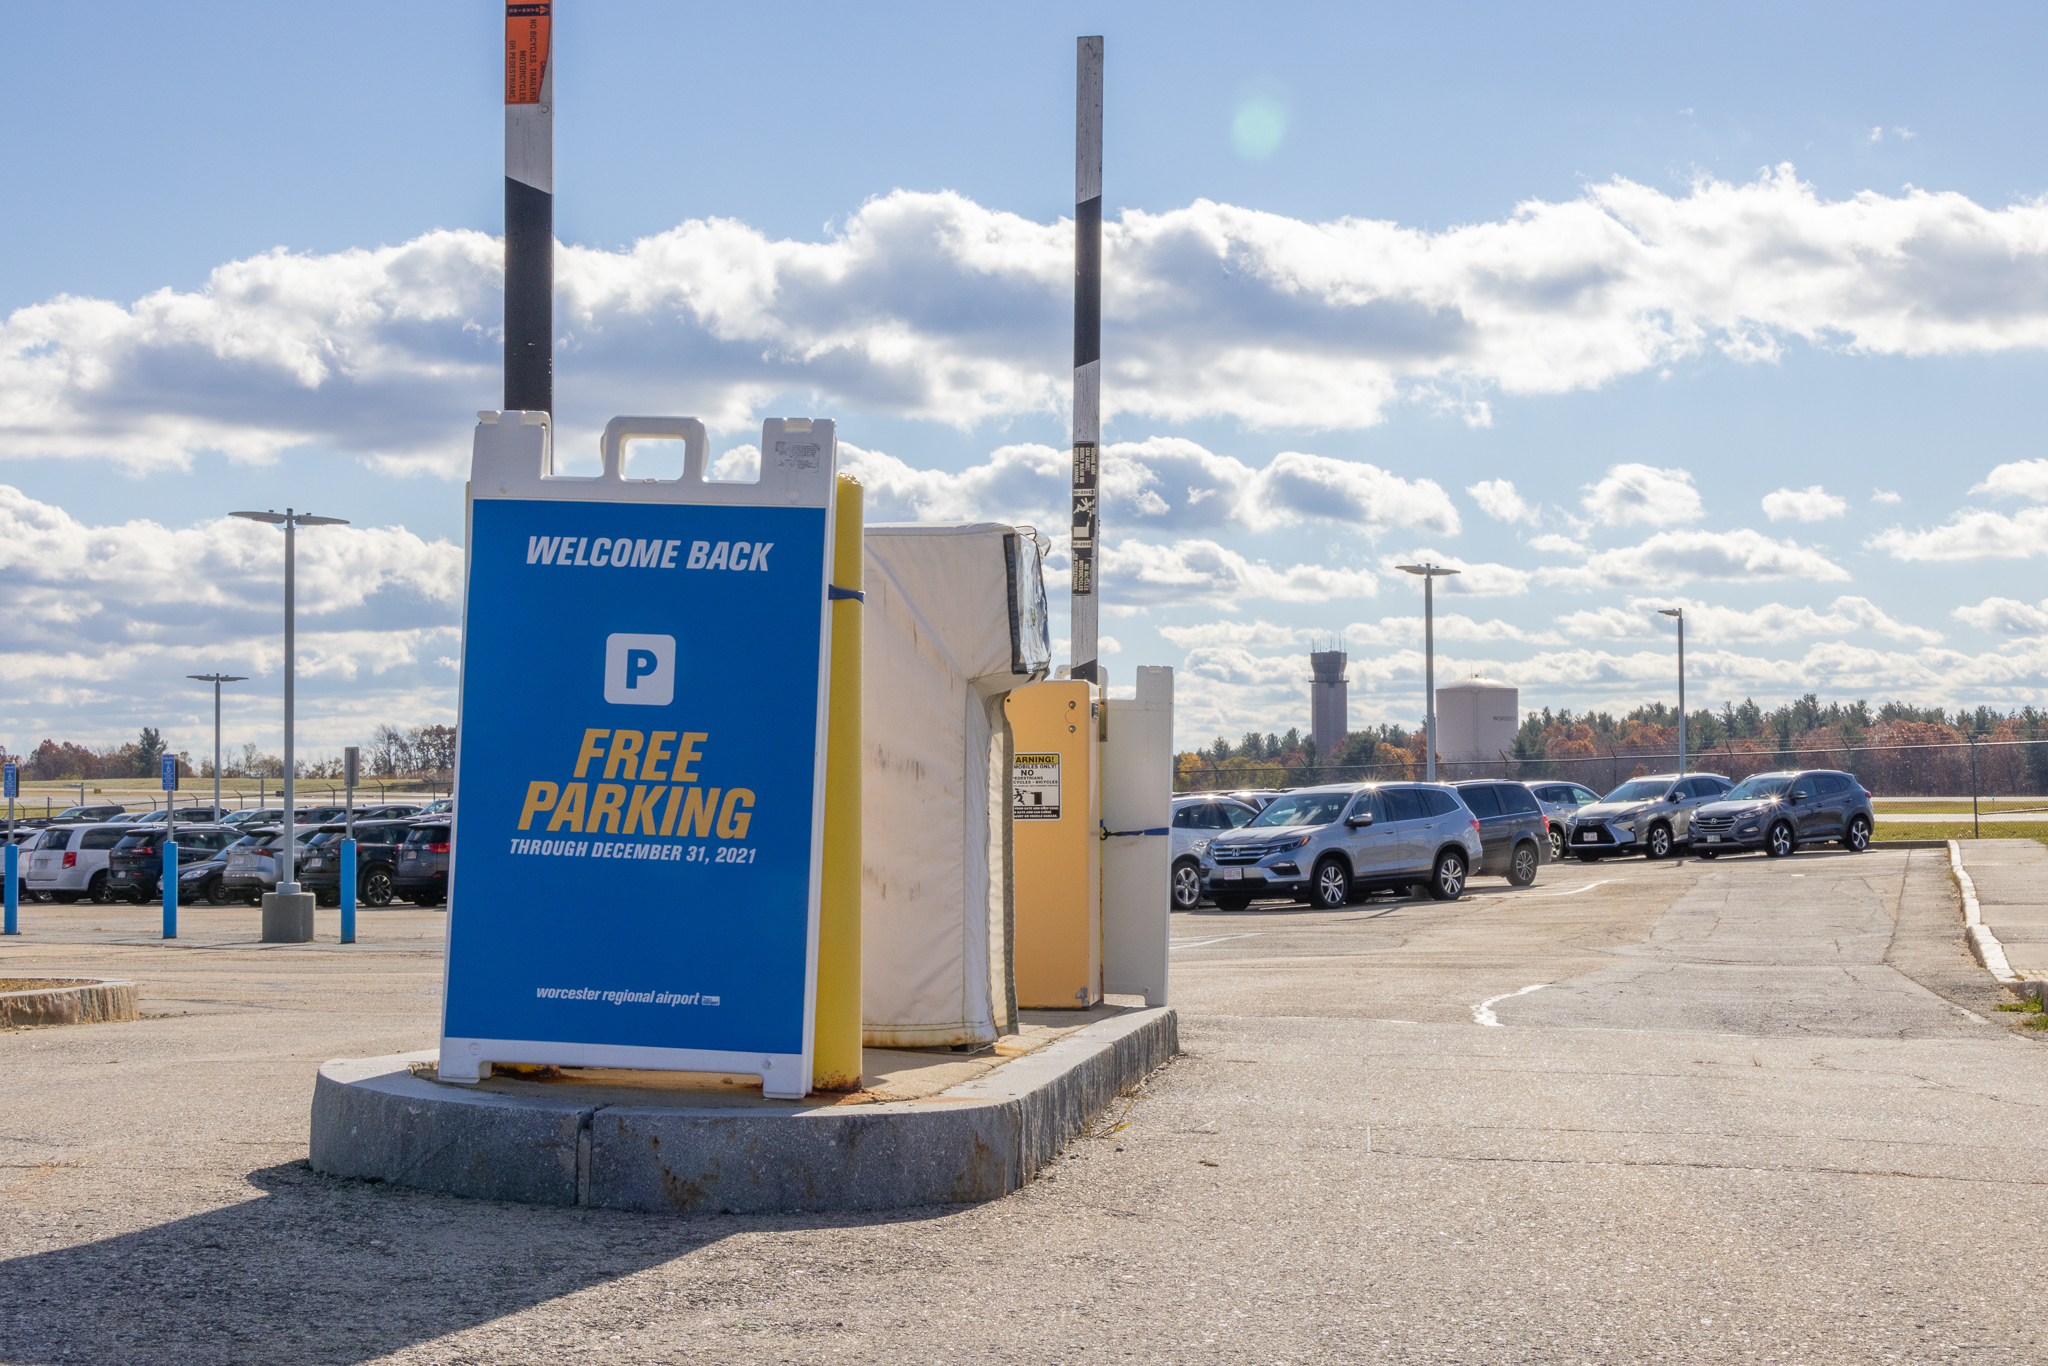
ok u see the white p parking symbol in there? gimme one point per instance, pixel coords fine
(640, 671)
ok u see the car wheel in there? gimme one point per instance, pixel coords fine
(377, 889)
(1447, 882)
(1858, 838)
(1231, 903)
(1589, 857)
(216, 894)
(1659, 844)
(1522, 867)
(96, 891)
(1330, 888)
(1780, 841)
(1186, 893)
(1556, 843)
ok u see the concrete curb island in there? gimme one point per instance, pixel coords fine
(374, 1119)
(1984, 945)
(70, 1000)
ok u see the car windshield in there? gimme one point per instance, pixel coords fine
(428, 834)
(1302, 808)
(132, 841)
(1641, 790)
(1763, 785)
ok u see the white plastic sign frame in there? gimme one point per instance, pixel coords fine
(639, 787)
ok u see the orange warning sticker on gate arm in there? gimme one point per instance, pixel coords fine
(526, 50)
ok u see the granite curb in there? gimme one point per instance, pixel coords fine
(83, 1000)
(374, 1119)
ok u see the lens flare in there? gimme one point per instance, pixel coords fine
(1258, 126)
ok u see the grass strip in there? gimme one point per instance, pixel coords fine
(1945, 830)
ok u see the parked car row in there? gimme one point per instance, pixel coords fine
(114, 814)
(1336, 843)
(399, 856)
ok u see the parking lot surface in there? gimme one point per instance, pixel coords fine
(1749, 1110)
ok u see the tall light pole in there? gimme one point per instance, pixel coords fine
(1087, 526)
(1430, 574)
(217, 680)
(290, 520)
(1679, 613)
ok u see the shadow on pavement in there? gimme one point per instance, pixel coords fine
(317, 1270)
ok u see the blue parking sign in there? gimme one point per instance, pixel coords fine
(12, 777)
(634, 871)
(170, 773)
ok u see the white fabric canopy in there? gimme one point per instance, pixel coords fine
(945, 638)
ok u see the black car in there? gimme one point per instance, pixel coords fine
(1778, 812)
(74, 815)
(135, 867)
(199, 875)
(376, 862)
(423, 864)
(1514, 834)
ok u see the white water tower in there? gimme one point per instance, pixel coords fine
(1476, 718)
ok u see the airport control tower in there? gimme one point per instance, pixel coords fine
(1329, 701)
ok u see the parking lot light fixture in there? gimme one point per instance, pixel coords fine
(1430, 573)
(1679, 613)
(217, 680)
(290, 520)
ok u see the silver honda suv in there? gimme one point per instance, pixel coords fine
(1329, 845)
(1651, 816)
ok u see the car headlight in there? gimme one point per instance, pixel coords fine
(1294, 843)
(1200, 847)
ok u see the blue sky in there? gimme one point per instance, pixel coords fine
(1558, 251)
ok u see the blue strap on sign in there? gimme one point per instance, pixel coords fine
(1108, 833)
(834, 593)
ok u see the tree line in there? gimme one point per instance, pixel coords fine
(393, 751)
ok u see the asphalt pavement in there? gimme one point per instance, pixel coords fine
(1748, 1110)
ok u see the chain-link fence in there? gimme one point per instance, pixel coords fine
(1990, 768)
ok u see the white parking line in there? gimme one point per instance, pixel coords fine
(1482, 1014)
(1218, 939)
(1574, 891)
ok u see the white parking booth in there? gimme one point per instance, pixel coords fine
(639, 790)
(955, 619)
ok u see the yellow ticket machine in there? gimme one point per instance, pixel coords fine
(1056, 815)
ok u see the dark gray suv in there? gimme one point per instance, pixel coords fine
(1778, 812)
(1514, 834)
(1328, 845)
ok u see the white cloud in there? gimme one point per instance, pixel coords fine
(1677, 557)
(104, 621)
(1163, 483)
(1709, 622)
(1642, 493)
(2021, 478)
(1972, 534)
(2005, 616)
(1201, 571)
(1885, 496)
(932, 306)
(1472, 580)
(1810, 504)
(1254, 633)
(1497, 499)
(1552, 544)
(1451, 626)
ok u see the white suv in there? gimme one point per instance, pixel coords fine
(67, 862)
(1196, 821)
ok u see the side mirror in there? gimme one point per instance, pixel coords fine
(1800, 796)
(1363, 818)
(1673, 796)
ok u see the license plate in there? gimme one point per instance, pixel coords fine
(1230, 874)
(1587, 837)
(1713, 839)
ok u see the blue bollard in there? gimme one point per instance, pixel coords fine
(170, 884)
(348, 891)
(13, 925)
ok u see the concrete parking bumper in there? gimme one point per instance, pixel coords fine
(387, 1119)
